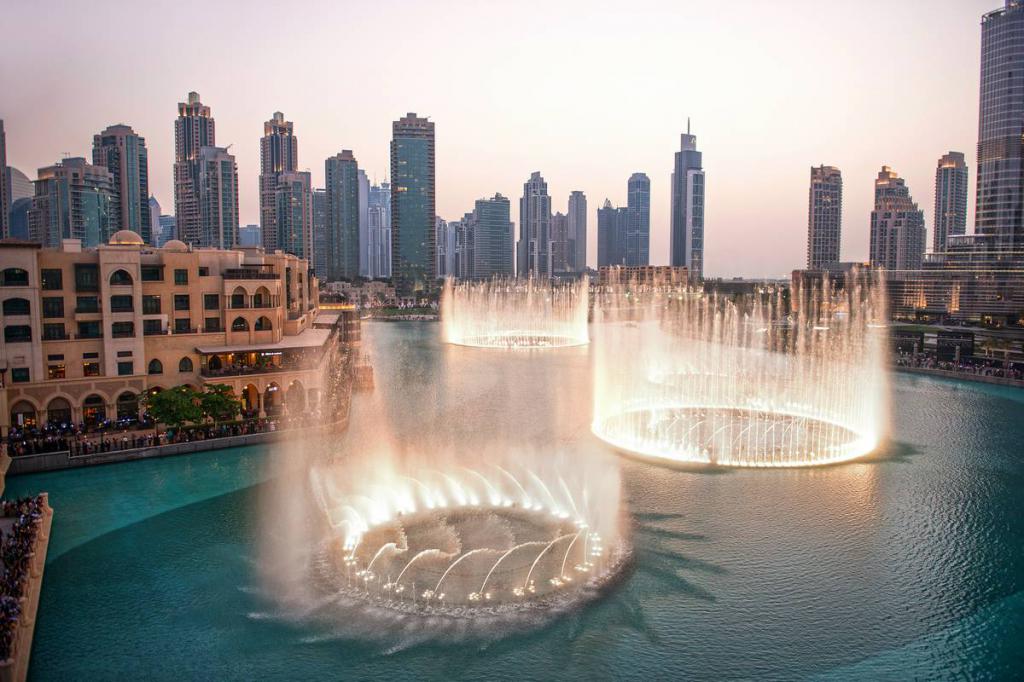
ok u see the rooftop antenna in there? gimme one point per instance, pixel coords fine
(687, 125)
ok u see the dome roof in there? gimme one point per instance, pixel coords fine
(126, 238)
(175, 245)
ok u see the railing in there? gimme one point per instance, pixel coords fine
(154, 332)
(87, 309)
(98, 335)
(122, 309)
(213, 330)
(122, 335)
(56, 337)
(191, 330)
(249, 274)
(245, 371)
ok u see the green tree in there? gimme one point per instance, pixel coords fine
(218, 402)
(173, 407)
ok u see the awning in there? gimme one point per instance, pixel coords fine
(308, 338)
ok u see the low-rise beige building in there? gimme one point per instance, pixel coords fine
(86, 330)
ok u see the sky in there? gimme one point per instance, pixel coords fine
(585, 91)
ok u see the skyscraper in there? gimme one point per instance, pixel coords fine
(490, 246)
(378, 227)
(560, 243)
(294, 220)
(154, 220)
(534, 257)
(249, 235)
(638, 229)
(364, 224)
(342, 179)
(217, 182)
(279, 153)
(578, 230)
(124, 154)
(687, 238)
(193, 130)
(897, 226)
(412, 204)
(321, 238)
(73, 200)
(612, 225)
(950, 199)
(1000, 197)
(824, 217)
(445, 248)
(19, 184)
(5, 185)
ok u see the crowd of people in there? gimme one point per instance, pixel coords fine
(16, 549)
(987, 368)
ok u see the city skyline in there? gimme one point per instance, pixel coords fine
(741, 136)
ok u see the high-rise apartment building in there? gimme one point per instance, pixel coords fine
(490, 244)
(950, 199)
(897, 225)
(412, 204)
(378, 228)
(154, 220)
(193, 130)
(560, 243)
(578, 230)
(687, 237)
(364, 224)
(218, 198)
(124, 154)
(249, 235)
(824, 217)
(321, 243)
(612, 225)
(534, 249)
(279, 153)
(73, 200)
(5, 185)
(294, 222)
(445, 251)
(342, 180)
(638, 229)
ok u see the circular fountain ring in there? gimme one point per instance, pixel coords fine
(519, 340)
(732, 436)
(485, 562)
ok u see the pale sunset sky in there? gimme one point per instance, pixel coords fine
(585, 92)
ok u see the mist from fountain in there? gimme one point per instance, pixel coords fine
(515, 313)
(779, 378)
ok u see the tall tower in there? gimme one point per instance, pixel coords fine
(534, 256)
(193, 130)
(378, 227)
(824, 217)
(342, 179)
(1000, 196)
(321, 243)
(5, 186)
(578, 230)
(560, 243)
(124, 154)
(73, 200)
(412, 204)
(294, 199)
(612, 225)
(897, 225)
(687, 237)
(493, 239)
(950, 199)
(638, 229)
(279, 153)
(218, 198)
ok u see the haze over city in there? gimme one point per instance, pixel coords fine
(585, 93)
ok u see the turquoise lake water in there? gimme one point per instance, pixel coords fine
(909, 564)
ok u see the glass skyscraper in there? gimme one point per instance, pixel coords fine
(638, 228)
(413, 213)
(492, 238)
(342, 180)
(193, 130)
(578, 230)
(687, 237)
(534, 257)
(279, 153)
(73, 200)
(950, 200)
(124, 154)
(824, 217)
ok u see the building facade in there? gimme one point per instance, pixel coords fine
(638, 230)
(321, 251)
(294, 220)
(560, 243)
(73, 200)
(5, 186)
(577, 213)
(824, 217)
(413, 212)
(687, 237)
(534, 249)
(950, 199)
(342, 179)
(123, 153)
(193, 130)
(88, 330)
(612, 224)
(249, 235)
(445, 248)
(378, 227)
(364, 224)
(490, 242)
(897, 225)
(217, 184)
(279, 153)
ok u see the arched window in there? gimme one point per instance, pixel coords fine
(261, 299)
(156, 367)
(14, 277)
(58, 412)
(23, 414)
(94, 410)
(17, 333)
(263, 324)
(238, 298)
(16, 306)
(120, 277)
(127, 406)
(240, 325)
(185, 365)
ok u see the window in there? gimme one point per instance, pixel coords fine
(18, 333)
(90, 356)
(212, 324)
(181, 325)
(124, 353)
(204, 272)
(263, 324)
(121, 304)
(53, 306)
(19, 375)
(122, 330)
(151, 327)
(121, 278)
(56, 357)
(185, 365)
(87, 304)
(152, 273)
(180, 276)
(238, 299)
(14, 277)
(90, 330)
(156, 367)
(91, 369)
(87, 277)
(54, 332)
(53, 279)
(55, 371)
(150, 305)
(239, 325)
(16, 306)
(125, 369)
(181, 302)
(211, 302)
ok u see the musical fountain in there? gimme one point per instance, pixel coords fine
(515, 314)
(775, 379)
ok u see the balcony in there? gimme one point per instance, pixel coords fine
(155, 332)
(249, 273)
(188, 330)
(87, 309)
(122, 335)
(98, 335)
(57, 337)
